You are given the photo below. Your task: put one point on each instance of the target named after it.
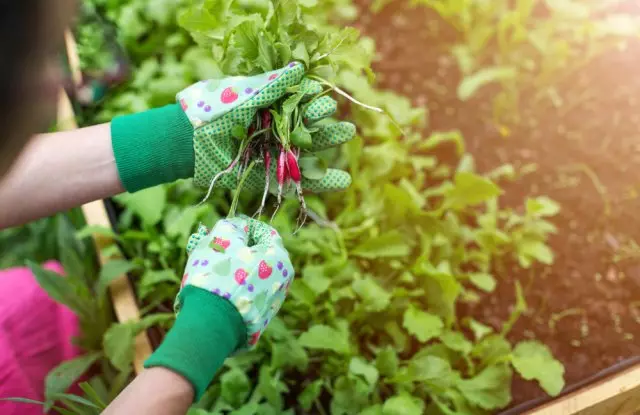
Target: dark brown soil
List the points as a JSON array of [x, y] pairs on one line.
[[584, 306]]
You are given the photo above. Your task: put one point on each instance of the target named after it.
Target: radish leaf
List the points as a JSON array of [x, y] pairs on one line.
[[300, 137]]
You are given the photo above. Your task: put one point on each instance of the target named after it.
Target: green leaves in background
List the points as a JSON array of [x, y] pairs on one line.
[[472, 83], [325, 338], [487, 390], [391, 244], [112, 270], [147, 204], [119, 339], [424, 326], [534, 360], [370, 326], [63, 376]]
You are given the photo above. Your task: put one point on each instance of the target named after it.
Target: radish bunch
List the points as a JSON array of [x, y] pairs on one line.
[[272, 136], [280, 133]]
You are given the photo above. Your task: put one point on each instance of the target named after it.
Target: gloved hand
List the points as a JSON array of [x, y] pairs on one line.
[[236, 279], [194, 138]]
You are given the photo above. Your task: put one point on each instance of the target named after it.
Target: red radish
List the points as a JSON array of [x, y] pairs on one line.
[[294, 172], [266, 119], [282, 173], [292, 166], [245, 163]]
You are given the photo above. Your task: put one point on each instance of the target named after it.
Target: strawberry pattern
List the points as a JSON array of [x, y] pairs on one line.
[[208, 100], [248, 265]]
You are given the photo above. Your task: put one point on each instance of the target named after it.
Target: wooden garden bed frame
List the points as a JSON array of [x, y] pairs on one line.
[[617, 394]]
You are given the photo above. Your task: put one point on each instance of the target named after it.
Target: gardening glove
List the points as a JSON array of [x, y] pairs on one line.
[[195, 137], [236, 279]]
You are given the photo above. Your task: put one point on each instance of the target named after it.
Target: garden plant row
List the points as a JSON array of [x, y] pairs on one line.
[[373, 322]]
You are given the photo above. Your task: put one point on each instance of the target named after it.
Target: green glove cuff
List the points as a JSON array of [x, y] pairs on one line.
[[153, 147], [207, 330]]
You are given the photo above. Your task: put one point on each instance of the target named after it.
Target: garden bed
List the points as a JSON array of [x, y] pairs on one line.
[[583, 305]]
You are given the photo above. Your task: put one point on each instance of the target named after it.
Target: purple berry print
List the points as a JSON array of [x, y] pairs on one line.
[[280, 265], [248, 90], [227, 295], [200, 104], [292, 64], [207, 108], [285, 273], [217, 291], [205, 263], [196, 262], [250, 288]]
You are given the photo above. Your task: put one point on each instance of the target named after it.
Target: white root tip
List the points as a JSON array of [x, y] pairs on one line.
[[217, 176]]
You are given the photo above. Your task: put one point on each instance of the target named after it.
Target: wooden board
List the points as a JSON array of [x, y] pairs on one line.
[[617, 394], [95, 213]]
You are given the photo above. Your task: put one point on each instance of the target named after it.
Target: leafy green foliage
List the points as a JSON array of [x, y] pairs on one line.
[[63, 376], [260, 36], [534, 361], [370, 325], [525, 46]]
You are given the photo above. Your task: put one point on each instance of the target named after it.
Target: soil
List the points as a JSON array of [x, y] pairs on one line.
[[588, 156]]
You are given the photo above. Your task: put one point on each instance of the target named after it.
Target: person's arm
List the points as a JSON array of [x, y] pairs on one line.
[[62, 170], [208, 329], [58, 171], [157, 391], [237, 277]]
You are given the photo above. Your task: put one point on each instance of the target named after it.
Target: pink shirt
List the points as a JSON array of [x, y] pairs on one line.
[[35, 336]]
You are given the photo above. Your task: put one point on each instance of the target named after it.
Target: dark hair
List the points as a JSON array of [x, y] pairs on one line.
[[21, 23]]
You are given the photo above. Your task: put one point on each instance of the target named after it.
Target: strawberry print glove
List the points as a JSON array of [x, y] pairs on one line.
[[244, 261], [214, 107], [194, 138]]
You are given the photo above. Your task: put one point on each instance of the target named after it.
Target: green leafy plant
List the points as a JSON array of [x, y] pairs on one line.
[[84, 291], [527, 46], [371, 324]]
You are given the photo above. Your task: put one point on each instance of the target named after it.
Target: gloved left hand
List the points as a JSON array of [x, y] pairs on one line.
[[236, 279]]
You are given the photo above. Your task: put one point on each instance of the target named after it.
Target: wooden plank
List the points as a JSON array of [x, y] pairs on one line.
[[616, 395], [122, 295], [73, 58]]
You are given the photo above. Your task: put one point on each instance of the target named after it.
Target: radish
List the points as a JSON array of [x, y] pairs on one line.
[[266, 119], [245, 163], [282, 173], [270, 132], [282, 176], [294, 174]]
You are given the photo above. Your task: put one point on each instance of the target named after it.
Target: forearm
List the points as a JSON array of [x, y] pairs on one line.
[[63, 170], [59, 171], [157, 391]]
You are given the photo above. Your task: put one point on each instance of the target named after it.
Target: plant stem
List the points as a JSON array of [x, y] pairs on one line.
[[236, 196]]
